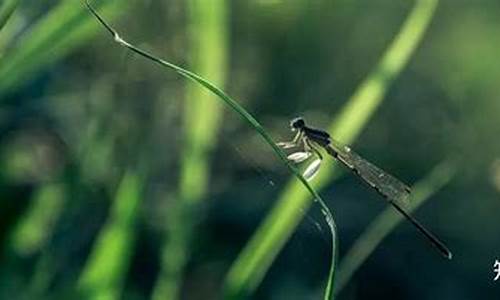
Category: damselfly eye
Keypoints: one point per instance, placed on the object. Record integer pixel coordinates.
(297, 123)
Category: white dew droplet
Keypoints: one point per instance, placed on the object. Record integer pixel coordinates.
(299, 157)
(312, 169)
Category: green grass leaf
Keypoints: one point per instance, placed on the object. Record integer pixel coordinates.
(36, 225)
(235, 106)
(6, 10)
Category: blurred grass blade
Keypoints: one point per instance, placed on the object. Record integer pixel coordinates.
(63, 29)
(208, 37)
(253, 263)
(6, 10)
(104, 273)
(42, 275)
(36, 225)
(441, 175)
(235, 106)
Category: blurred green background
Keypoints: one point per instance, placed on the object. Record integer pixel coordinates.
(123, 180)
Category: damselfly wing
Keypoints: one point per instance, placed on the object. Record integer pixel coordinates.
(384, 183)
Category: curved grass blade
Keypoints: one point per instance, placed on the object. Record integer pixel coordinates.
(235, 106)
(386, 221)
(271, 236)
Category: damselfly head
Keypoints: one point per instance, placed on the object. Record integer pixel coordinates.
(297, 123)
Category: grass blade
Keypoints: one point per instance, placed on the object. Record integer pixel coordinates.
(6, 10)
(36, 225)
(235, 106)
(105, 270)
(62, 30)
(252, 264)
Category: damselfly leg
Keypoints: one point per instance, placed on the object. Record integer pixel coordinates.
(299, 156)
(293, 143)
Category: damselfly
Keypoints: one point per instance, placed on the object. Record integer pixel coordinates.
(392, 189)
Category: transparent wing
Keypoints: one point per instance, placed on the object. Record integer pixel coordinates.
(312, 169)
(384, 183)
